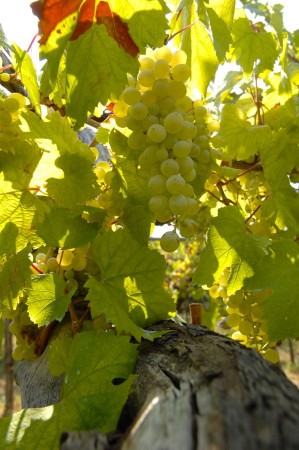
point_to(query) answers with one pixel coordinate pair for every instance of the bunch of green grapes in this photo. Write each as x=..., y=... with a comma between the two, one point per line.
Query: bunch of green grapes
x=24, y=330
x=169, y=137
x=244, y=318
x=72, y=264
x=9, y=114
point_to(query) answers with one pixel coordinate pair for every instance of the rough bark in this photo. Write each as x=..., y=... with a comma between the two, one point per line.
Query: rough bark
x=8, y=369
x=198, y=390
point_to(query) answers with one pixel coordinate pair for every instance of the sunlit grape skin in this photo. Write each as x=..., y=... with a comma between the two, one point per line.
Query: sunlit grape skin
x=170, y=241
x=163, y=127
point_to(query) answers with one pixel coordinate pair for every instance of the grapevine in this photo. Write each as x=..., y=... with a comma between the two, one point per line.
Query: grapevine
x=81, y=279
x=169, y=137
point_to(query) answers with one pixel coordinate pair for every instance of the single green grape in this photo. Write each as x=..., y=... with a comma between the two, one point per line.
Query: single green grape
x=173, y=122
x=157, y=184
x=146, y=63
x=138, y=111
x=170, y=167
x=176, y=89
x=156, y=133
x=65, y=258
x=5, y=77
x=188, y=228
x=163, y=53
x=52, y=264
x=175, y=184
x=181, y=72
x=158, y=203
x=170, y=241
x=11, y=104
x=188, y=130
x=181, y=149
x=146, y=78
x=178, y=204
x=131, y=95
x=161, y=68
x=178, y=57
x=71, y=284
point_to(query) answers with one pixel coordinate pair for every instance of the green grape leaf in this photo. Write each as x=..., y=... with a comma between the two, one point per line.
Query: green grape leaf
x=130, y=292
x=102, y=134
x=229, y=246
x=138, y=220
x=24, y=66
x=19, y=207
x=57, y=21
x=15, y=273
x=8, y=237
x=279, y=272
x=278, y=160
x=221, y=15
x=133, y=183
x=231, y=81
x=198, y=45
x=18, y=167
x=47, y=299
x=91, y=54
x=78, y=183
x=63, y=228
x=241, y=140
x=146, y=21
x=91, y=34
x=53, y=135
x=60, y=351
x=253, y=49
x=90, y=399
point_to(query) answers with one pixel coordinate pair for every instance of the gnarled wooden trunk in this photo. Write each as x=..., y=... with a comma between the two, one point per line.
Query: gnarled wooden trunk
x=196, y=390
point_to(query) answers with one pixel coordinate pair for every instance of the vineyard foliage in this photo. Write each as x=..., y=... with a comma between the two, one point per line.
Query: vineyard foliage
x=196, y=104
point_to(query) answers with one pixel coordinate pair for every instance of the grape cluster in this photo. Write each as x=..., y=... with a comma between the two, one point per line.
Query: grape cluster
x=244, y=317
x=169, y=138
x=67, y=262
x=72, y=265
x=9, y=114
x=24, y=330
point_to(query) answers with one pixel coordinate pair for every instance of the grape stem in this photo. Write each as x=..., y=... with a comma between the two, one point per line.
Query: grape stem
x=32, y=42
x=258, y=103
x=77, y=323
x=36, y=268
x=43, y=336
x=225, y=200
x=180, y=31
x=257, y=208
x=254, y=167
x=8, y=66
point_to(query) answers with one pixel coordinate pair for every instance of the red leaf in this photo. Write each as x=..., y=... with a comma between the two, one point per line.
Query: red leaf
x=51, y=13
x=86, y=19
x=116, y=28
x=110, y=106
